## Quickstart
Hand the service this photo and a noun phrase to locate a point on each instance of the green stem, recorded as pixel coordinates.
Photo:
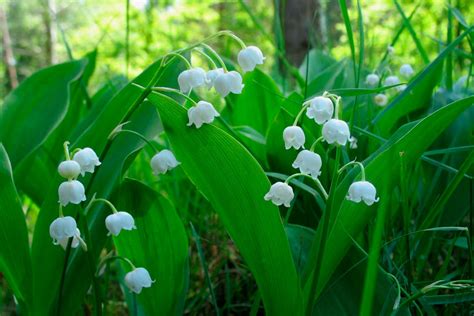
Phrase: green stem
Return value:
(66, 150)
(236, 38)
(166, 89)
(206, 56)
(362, 169)
(216, 55)
(313, 146)
(94, 200)
(318, 183)
(61, 214)
(108, 259)
(188, 65)
(300, 113)
(142, 137)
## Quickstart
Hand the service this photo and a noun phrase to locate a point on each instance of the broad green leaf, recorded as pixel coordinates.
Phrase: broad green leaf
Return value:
(15, 260)
(411, 141)
(418, 93)
(234, 183)
(34, 109)
(159, 244)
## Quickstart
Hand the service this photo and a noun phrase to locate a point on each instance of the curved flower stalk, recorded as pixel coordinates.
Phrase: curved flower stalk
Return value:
(361, 190)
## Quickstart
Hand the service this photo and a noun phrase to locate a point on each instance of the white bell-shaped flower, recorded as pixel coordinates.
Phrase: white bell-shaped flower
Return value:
(69, 169)
(362, 191)
(87, 159)
(336, 131)
(250, 57)
(211, 76)
(280, 193)
(308, 162)
(406, 70)
(62, 228)
(391, 80)
(228, 82)
(372, 80)
(380, 99)
(137, 279)
(191, 79)
(117, 221)
(293, 137)
(320, 109)
(76, 240)
(163, 161)
(203, 112)
(71, 191)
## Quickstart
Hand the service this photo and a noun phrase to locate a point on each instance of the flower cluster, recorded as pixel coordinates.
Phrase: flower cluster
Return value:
(373, 80)
(63, 230)
(223, 81)
(324, 111)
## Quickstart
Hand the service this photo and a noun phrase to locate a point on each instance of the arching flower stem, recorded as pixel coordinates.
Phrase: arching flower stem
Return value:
(94, 200)
(111, 258)
(300, 113)
(206, 56)
(313, 146)
(216, 55)
(66, 150)
(142, 137)
(166, 89)
(362, 169)
(186, 62)
(318, 183)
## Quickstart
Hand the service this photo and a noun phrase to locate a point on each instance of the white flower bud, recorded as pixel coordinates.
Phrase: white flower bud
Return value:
(163, 161)
(380, 99)
(320, 109)
(202, 113)
(69, 169)
(250, 57)
(391, 80)
(87, 159)
(406, 70)
(362, 191)
(211, 76)
(76, 240)
(372, 80)
(391, 50)
(228, 82)
(137, 279)
(62, 228)
(336, 131)
(308, 162)
(71, 191)
(401, 88)
(280, 193)
(191, 78)
(293, 137)
(353, 142)
(117, 221)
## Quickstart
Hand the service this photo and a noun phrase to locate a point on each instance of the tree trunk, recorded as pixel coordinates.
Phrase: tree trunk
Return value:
(50, 30)
(8, 57)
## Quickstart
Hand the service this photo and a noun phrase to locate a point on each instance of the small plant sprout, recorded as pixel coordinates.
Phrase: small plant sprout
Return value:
(321, 109)
(380, 99)
(336, 131)
(372, 80)
(63, 228)
(202, 113)
(293, 137)
(391, 80)
(249, 57)
(280, 194)
(163, 161)
(228, 82)
(361, 190)
(87, 159)
(406, 70)
(137, 279)
(116, 221)
(191, 79)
